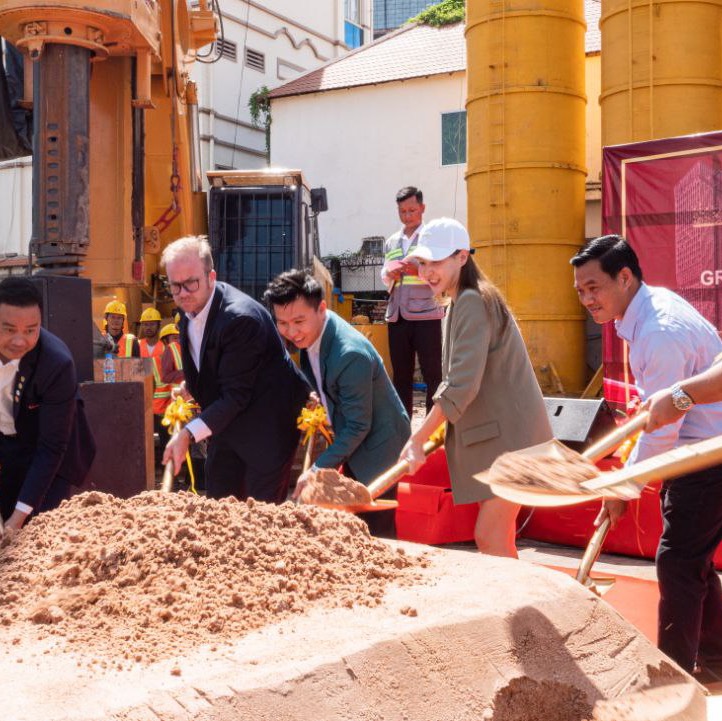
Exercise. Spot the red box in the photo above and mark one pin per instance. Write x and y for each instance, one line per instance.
(426, 511)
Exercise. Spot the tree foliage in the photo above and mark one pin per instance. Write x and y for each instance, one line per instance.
(259, 105)
(446, 12)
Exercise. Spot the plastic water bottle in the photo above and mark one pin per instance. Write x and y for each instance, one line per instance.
(108, 369)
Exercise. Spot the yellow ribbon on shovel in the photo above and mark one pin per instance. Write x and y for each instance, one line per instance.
(177, 414)
(314, 420)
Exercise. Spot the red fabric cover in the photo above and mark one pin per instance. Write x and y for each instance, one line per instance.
(426, 511)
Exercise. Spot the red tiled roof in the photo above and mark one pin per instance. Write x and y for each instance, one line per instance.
(412, 51)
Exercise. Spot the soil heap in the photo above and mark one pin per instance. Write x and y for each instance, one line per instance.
(148, 577)
(327, 487)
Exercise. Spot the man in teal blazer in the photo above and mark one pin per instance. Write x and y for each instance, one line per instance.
(369, 422)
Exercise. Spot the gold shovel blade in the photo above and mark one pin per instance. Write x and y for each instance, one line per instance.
(538, 497)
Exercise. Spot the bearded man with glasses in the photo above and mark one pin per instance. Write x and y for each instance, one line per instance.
(240, 374)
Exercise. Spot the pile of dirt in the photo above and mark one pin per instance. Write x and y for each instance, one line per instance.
(525, 699)
(148, 577)
(327, 487)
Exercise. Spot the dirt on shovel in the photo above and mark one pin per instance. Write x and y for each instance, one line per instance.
(327, 487)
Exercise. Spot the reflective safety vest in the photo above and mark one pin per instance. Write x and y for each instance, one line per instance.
(158, 349)
(125, 345)
(398, 254)
(175, 350)
(162, 391)
(409, 298)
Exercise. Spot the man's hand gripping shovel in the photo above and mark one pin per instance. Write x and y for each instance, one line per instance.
(177, 414)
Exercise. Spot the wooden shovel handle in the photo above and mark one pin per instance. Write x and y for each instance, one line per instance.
(594, 548)
(166, 483)
(308, 456)
(670, 464)
(604, 446)
(594, 453)
(386, 480)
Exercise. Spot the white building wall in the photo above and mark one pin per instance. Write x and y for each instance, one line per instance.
(363, 144)
(293, 37)
(16, 219)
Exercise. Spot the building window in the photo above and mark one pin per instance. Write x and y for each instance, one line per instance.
(391, 14)
(228, 49)
(353, 35)
(453, 138)
(256, 60)
(352, 9)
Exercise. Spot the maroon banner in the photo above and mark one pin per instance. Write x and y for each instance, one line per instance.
(665, 198)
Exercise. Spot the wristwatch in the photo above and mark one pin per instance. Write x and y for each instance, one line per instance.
(681, 400)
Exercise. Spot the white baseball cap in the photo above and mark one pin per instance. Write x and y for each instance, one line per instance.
(439, 239)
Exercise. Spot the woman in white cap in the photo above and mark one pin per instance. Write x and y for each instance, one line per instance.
(489, 395)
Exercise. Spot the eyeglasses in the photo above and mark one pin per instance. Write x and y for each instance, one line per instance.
(189, 286)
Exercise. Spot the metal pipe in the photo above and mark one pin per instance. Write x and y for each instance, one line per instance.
(195, 138)
(60, 235)
(138, 186)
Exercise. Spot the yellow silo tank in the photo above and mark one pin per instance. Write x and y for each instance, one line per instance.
(525, 170)
(661, 69)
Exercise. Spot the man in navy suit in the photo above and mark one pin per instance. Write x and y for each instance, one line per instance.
(45, 443)
(236, 367)
(369, 421)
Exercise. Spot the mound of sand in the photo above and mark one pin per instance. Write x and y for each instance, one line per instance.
(148, 577)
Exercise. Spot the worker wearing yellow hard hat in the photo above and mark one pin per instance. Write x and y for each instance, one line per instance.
(125, 345)
(170, 364)
(167, 368)
(150, 345)
(169, 329)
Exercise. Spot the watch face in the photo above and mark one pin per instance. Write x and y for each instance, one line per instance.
(681, 401)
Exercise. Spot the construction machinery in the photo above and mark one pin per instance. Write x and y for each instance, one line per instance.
(262, 222)
(115, 164)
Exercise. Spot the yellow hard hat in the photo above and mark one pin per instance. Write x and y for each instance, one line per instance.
(149, 314)
(169, 329)
(115, 306)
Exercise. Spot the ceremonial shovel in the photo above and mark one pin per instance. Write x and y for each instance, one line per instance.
(387, 480)
(542, 493)
(530, 496)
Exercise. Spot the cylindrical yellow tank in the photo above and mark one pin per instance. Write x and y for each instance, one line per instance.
(661, 69)
(526, 175)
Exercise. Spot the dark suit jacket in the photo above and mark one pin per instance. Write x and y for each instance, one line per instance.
(369, 421)
(51, 429)
(249, 390)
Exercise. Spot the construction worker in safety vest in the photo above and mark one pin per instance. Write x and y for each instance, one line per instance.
(163, 387)
(125, 344)
(149, 328)
(171, 362)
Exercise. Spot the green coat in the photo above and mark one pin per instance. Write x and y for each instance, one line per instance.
(369, 422)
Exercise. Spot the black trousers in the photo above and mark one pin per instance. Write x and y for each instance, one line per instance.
(690, 605)
(407, 339)
(227, 474)
(15, 460)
